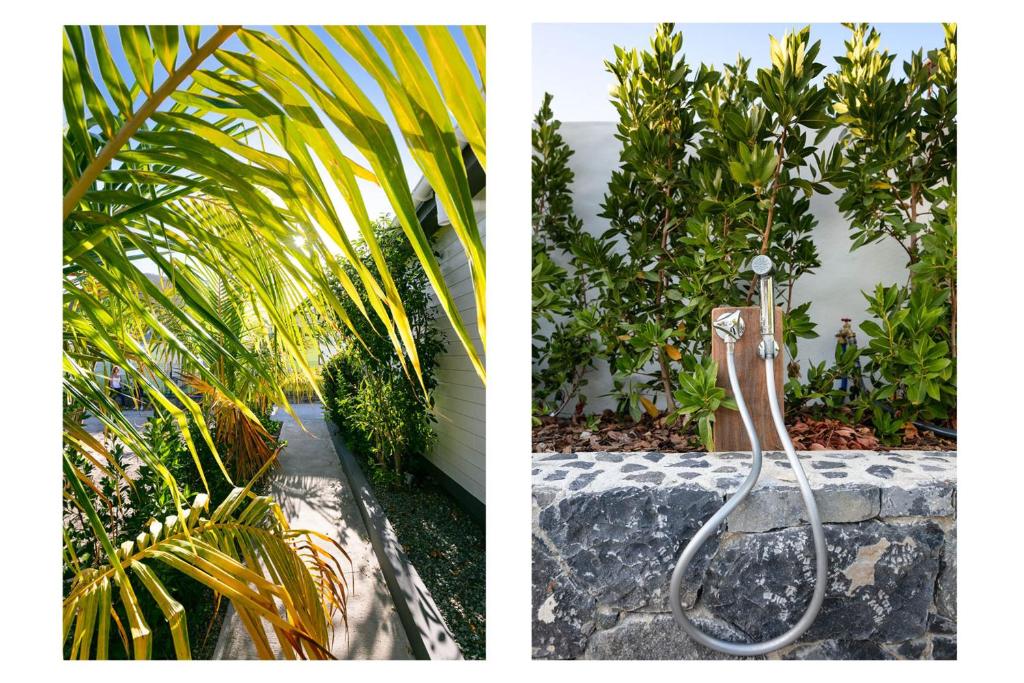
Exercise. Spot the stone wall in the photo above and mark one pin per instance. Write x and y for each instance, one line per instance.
(608, 528)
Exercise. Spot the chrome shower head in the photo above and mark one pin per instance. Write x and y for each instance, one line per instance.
(762, 265)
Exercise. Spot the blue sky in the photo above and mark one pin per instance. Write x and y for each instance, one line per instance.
(568, 59)
(374, 197)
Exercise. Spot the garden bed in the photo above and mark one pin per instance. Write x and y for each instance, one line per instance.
(447, 547)
(611, 432)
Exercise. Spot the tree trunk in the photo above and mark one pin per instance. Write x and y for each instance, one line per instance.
(952, 322)
(766, 235)
(666, 377)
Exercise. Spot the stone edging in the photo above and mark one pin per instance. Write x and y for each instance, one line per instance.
(420, 617)
(608, 527)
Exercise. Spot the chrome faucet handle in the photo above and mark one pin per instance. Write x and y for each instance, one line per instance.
(730, 326)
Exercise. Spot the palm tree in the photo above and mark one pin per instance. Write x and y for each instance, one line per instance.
(214, 176)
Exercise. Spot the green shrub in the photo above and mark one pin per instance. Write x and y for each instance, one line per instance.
(712, 173)
(562, 356)
(821, 393)
(127, 509)
(908, 360)
(698, 398)
(896, 166)
(342, 376)
(378, 406)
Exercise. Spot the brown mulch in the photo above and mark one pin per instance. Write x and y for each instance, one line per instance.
(619, 433)
(809, 434)
(923, 440)
(613, 433)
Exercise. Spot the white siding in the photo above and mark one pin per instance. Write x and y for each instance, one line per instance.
(459, 396)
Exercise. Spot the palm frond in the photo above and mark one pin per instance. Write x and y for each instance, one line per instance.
(223, 179)
(244, 550)
(246, 443)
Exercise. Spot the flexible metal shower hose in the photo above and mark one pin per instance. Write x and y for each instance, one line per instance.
(708, 530)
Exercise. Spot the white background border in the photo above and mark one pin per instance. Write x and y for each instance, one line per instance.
(990, 273)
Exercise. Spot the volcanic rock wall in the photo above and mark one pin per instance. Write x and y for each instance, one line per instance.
(608, 528)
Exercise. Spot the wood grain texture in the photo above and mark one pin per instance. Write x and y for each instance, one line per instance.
(728, 430)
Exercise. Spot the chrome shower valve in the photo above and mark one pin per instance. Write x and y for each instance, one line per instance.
(730, 326)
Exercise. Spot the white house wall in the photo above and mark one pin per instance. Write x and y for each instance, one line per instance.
(459, 399)
(834, 290)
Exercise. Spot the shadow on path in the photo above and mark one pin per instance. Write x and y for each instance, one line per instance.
(313, 492)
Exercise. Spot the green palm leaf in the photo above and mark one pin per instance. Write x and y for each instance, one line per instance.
(244, 551)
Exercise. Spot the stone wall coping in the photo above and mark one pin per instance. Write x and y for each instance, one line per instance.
(573, 473)
(849, 486)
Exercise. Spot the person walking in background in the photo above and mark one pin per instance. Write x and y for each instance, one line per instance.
(115, 385)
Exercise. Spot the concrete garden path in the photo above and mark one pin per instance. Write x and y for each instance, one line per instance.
(313, 492)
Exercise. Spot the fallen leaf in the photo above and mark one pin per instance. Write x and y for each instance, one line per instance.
(651, 409)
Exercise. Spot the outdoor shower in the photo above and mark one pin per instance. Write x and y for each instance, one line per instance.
(729, 327)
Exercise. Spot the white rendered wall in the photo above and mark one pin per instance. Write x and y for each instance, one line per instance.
(459, 399)
(834, 289)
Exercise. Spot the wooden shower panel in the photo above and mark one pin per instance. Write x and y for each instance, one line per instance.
(728, 430)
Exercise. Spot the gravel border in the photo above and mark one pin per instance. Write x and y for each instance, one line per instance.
(448, 547)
